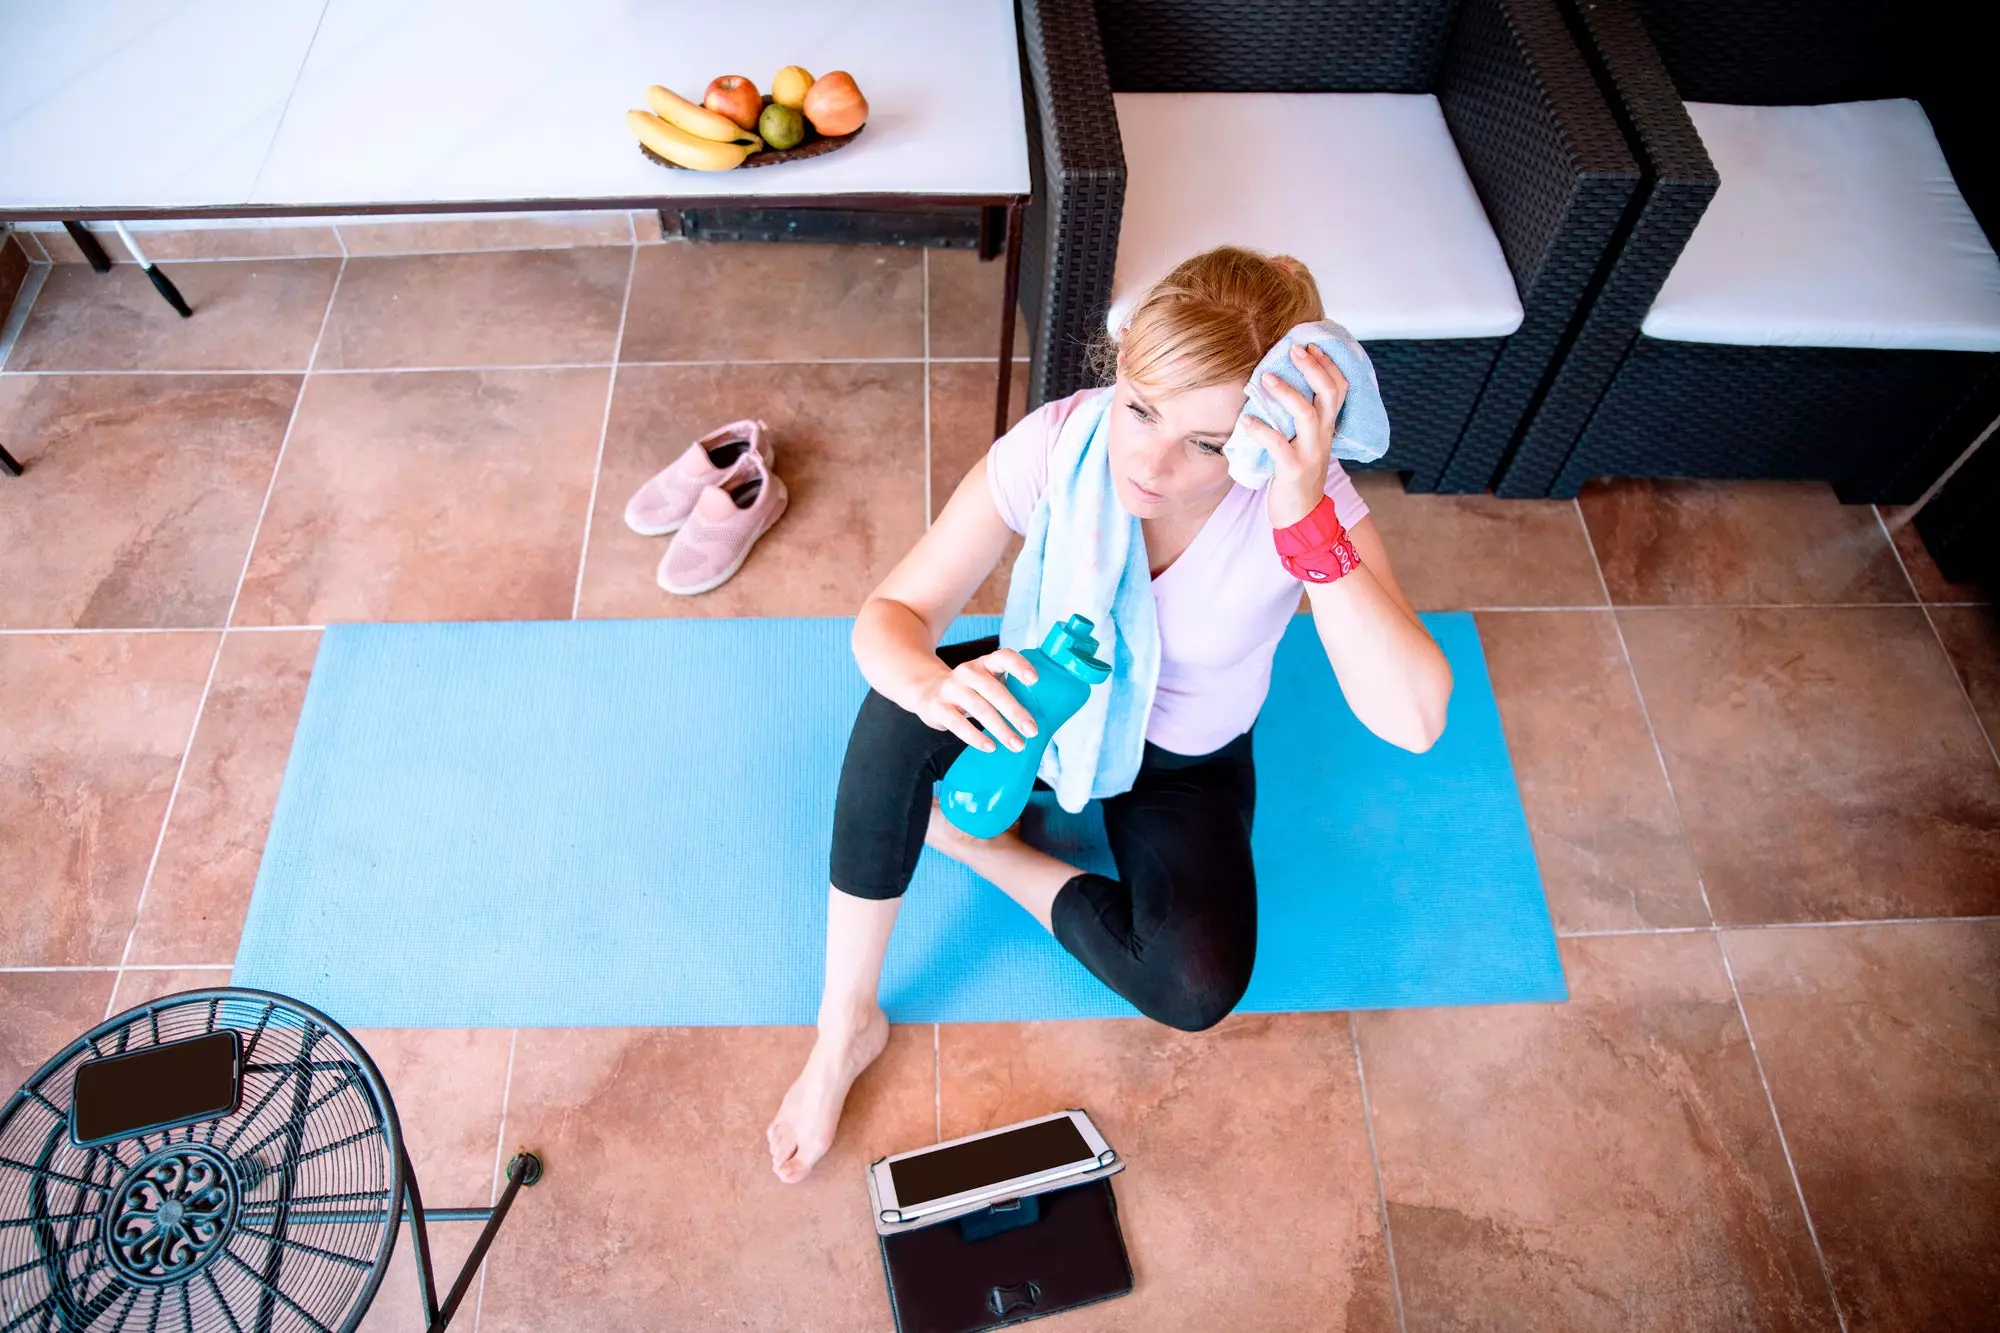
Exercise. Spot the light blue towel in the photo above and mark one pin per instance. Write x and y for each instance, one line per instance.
(1083, 554)
(1360, 435)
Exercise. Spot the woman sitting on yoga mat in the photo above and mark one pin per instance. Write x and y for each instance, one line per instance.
(1177, 934)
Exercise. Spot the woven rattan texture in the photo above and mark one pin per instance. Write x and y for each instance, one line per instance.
(1296, 46)
(1948, 65)
(1537, 140)
(1069, 246)
(1430, 386)
(1858, 417)
(1769, 52)
(1975, 412)
(1680, 182)
(1554, 175)
(1879, 424)
(1961, 524)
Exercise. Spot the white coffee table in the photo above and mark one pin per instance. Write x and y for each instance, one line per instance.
(127, 109)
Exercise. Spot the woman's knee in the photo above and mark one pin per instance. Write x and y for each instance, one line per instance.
(1197, 985)
(882, 728)
(1199, 1008)
(883, 803)
(1186, 966)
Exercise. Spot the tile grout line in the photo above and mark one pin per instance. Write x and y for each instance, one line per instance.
(499, 1150)
(1778, 925)
(221, 639)
(1375, 1161)
(1944, 648)
(1857, 923)
(1645, 713)
(926, 256)
(113, 967)
(1876, 923)
(341, 251)
(21, 631)
(500, 1132)
(603, 431)
(1721, 946)
(123, 260)
(1468, 610)
(550, 365)
(158, 629)
(1784, 1143)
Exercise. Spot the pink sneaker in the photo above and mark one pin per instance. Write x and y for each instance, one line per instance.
(728, 519)
(665, 501)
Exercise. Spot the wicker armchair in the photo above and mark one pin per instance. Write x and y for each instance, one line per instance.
(1543, 153)
(1880, 422)
(1961, 525)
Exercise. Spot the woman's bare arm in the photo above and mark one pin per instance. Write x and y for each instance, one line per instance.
(1394, 675)
(897, 632)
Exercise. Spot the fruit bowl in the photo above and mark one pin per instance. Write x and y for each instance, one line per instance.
(771, 157)
(815, 145)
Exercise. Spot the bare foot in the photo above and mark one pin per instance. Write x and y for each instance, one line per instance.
(806, 1120)
(944, 836)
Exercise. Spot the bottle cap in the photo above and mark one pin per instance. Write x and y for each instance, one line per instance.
(1071, 646)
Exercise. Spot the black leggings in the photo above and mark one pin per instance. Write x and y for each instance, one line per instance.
(1176, 936)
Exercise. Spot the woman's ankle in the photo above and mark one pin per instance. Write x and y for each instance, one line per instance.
(845, 1020)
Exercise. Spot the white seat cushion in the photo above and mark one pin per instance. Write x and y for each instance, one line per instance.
(1835, 226)
(1365, 188)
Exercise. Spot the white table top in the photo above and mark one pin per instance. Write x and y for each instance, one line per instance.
(349, 105)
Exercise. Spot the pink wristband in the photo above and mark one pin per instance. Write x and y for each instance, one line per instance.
(1316, 549)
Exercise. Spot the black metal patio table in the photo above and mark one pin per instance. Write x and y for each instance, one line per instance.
(280, 1215)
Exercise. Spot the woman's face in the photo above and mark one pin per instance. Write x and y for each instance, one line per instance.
(1166, 449)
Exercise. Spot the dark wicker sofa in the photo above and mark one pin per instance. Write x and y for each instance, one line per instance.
(1535, 136)
(1881, 423)
(1961, 525)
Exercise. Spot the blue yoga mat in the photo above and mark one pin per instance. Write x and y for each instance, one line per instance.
(626, 823)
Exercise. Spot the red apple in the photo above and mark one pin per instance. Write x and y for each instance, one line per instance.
(835, 105)
(736, 97)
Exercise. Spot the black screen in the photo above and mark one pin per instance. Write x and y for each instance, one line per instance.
(170, 1084)
(988, 1161)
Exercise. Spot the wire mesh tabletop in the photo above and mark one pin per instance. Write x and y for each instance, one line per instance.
(278, 1216)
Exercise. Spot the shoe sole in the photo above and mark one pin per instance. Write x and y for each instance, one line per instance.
(656, 532)
(777, 512)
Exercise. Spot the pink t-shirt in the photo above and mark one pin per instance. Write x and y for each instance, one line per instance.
(1222, 606)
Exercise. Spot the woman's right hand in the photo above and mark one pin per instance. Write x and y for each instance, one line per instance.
(973, 692)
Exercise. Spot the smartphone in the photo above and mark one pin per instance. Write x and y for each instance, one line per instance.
(158, 1087)
(982, 1168)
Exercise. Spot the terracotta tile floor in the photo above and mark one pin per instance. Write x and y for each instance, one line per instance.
(1753, 730)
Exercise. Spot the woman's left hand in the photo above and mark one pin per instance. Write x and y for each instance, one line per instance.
(1300, 463)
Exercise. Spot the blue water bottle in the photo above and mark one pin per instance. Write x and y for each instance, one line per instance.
(983, 793)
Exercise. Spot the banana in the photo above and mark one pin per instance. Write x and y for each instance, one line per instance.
(696, 119)
(684, 149)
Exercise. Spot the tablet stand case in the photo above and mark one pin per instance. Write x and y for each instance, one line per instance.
(1014, 1261)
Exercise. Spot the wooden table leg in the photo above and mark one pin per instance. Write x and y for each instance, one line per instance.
(1010, 297)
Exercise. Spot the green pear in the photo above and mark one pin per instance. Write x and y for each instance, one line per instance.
(782, 126)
